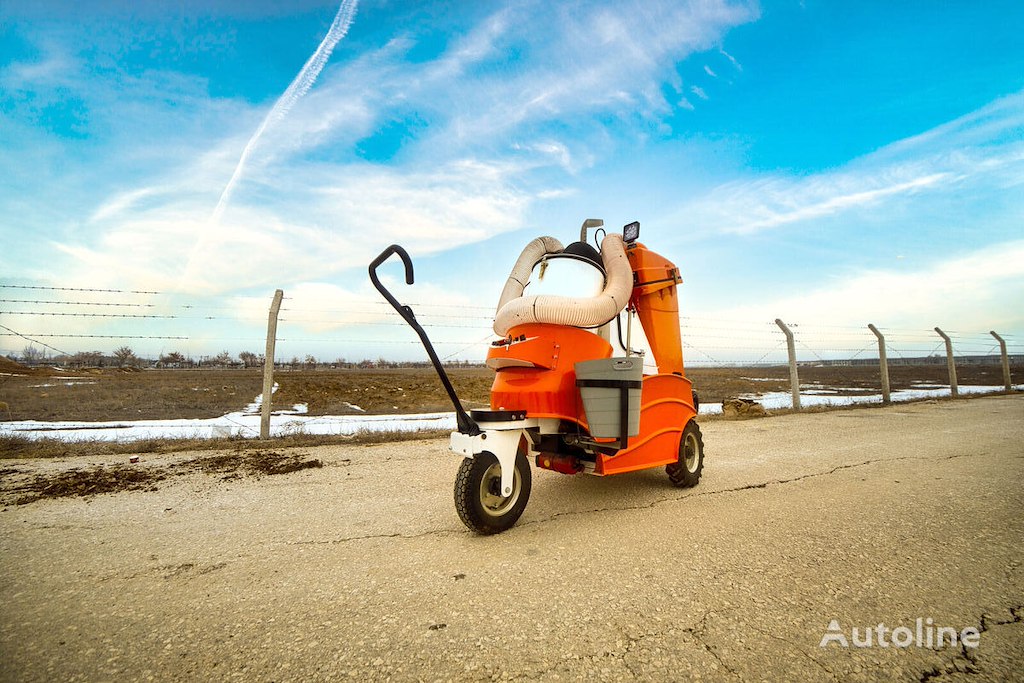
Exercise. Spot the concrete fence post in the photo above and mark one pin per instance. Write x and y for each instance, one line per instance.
(954, 391)
(1007, 384)
(268, 365)
(794, 379)
(883, 364)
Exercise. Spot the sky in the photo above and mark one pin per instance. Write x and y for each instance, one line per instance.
(830, 164)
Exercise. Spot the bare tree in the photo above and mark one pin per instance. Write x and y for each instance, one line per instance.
(31, 355)
(223, 359)
(310, 361)
(174, 359)
(125, 356)
(249, 359)
(87, 359)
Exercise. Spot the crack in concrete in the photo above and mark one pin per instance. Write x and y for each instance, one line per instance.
(622, 656)
(645, 506)
(635, 642)
(370, 537)
(798, 649)
(699, 632)
(969, 655)
(747, 487)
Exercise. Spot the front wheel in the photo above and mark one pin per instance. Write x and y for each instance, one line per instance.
(478, 497)
(685, 472)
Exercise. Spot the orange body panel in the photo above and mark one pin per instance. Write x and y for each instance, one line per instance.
(549, 388)
(657, 305)
(666, 405)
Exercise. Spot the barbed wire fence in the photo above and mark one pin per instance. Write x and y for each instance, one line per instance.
(62, 322)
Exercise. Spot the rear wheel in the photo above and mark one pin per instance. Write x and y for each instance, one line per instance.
(685, 472)
(478, 497)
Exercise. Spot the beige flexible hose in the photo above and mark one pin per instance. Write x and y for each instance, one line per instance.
(516, 309)
(532, 252)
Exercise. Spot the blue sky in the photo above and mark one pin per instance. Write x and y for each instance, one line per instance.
(827, 163)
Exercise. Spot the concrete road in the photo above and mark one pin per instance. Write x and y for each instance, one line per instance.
(871, 518)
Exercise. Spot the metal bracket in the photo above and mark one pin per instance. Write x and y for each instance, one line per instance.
(502, 443)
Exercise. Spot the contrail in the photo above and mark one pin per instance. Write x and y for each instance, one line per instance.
(299, 87)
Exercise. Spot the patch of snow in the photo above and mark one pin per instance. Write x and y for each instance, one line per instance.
(246, 423)
(352, 406)
(257, 403)
(231, 425)
(775, 400)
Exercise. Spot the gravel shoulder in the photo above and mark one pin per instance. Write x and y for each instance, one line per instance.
(360, 568)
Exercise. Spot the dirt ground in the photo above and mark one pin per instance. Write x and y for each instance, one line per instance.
(113, 394)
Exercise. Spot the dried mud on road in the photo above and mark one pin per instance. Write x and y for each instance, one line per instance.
(23, 485)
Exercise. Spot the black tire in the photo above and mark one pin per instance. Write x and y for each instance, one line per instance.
(477, 500)
(685, 472)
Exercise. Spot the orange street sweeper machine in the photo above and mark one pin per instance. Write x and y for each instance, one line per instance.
(570, 393)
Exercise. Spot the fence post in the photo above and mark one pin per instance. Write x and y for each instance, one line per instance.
(953, 389)
(268, 365)
(794, 380)
(1006, 361)
(883, 363)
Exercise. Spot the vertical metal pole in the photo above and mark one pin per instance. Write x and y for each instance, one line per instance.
(1007, 384)
(794, 380)
(629, 332)
(268, 365)
(883, 363)
(953, 389)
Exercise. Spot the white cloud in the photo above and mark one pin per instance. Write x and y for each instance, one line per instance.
(732, 60)
(699, 92)
(570, 78)
(322, 221)
(305, 80)
(972, 292)
(549, 150)
(294, 217)
(709, 72)
(979, 151)
(54, 67)
(830, 200)
(121, 202)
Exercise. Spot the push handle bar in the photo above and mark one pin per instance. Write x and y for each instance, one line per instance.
(466, 424)
(403, 311)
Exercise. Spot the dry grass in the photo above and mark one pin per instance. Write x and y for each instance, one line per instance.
(717, 384)
(110, 394)
(381, 391)
(15, 447)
